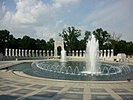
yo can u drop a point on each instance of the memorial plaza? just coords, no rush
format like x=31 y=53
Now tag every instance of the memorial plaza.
x=19 y=86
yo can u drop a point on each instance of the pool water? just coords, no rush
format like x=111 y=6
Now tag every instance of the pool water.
x=72 y=74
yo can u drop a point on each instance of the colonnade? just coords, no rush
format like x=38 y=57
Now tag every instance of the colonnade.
x=106 y=53
x=28 y=53
x=81 y=53
x=40 y=53
x=76 y=53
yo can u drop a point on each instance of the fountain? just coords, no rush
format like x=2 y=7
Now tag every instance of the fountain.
x=63 y=55
x=90 y=69
x=92 y=55
x=77 y=70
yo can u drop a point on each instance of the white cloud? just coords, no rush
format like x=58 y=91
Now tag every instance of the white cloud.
x=34 y=17
x=44 y=20
x=28 y=11
x=115 y=17
x=2 y=10
x=66 y=1
x=58 y=23
x=63 y=3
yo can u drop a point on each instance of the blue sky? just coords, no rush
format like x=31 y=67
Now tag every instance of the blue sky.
x=45 y=19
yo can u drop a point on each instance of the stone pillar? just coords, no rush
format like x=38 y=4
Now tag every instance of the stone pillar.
x=36 y=53
x=44 y=53
x=105 y=53
x=26 y=53
x=112 y=53
x=80 y=53
x=6 y=54
x=16 y=52
x=108 y=53
x=77 y=53
x=83 y=53
x=33 y=54
x=73 y=53
x=47 y=52
x=9 y=52
x=101 y=53
x=40 y=53
x=13 y=52
x=22 y=53
x=55 y=52
x=69 y=53
x=51 y=52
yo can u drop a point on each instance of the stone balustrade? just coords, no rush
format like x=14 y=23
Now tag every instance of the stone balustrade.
x=42 y=53
x=27 y=53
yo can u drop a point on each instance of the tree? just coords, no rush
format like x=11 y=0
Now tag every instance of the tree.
x=70 y=37
x=87 y=35
x=11 y=43
x=4 y=37
x=83 y=41
x=25 y=42
x=121 y=47
x=82 y=44
x=50 y=44
x=102 y=36
x=43 y=45
x=113 y=42
x=129 y=48
x=33 y=45
x=38 y=43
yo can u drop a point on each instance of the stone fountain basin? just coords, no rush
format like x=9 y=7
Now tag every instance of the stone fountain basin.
x=76 y=71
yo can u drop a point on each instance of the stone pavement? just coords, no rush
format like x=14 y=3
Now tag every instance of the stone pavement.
x=18 y=86
x=13 y=86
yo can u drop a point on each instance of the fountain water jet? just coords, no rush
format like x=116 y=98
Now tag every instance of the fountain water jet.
x=92 y=55
x=63 y=55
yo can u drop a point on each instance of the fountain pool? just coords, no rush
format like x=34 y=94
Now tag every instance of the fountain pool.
x=72 y=70
x=90 y=69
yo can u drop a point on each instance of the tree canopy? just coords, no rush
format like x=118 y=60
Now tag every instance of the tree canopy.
x=8 y=41
x=106 y=40
x=71 y=39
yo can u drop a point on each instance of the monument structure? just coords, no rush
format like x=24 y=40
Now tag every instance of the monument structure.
x=58 y=46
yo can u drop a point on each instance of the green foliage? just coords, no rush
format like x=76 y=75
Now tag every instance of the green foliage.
x=70 y=36
x=102 y=36
x=87 y=35
x=4 y=38
x=8 y=41
x=71 y=41
x=106 y=40
x=124 y=47
x=50 y=44
x=25 y=42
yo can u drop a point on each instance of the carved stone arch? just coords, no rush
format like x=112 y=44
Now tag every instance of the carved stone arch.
x=58 y=45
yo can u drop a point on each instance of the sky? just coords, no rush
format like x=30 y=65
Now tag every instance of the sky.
x=45 y=19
